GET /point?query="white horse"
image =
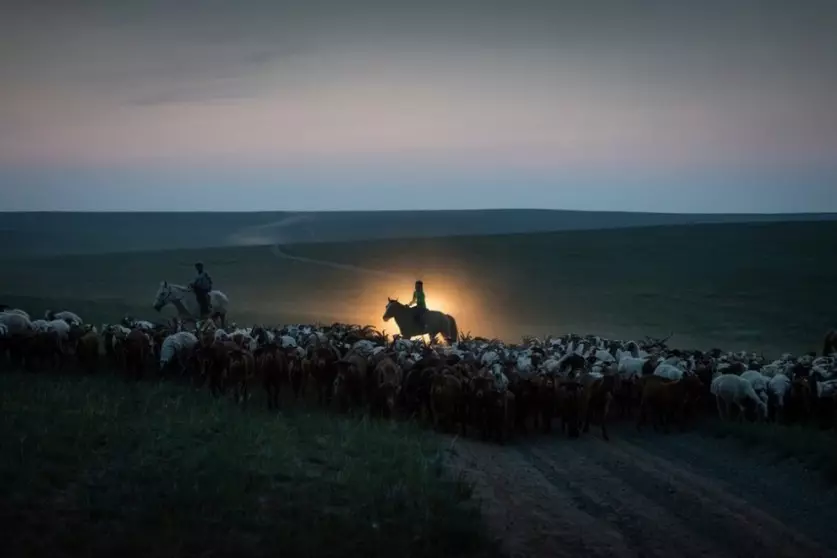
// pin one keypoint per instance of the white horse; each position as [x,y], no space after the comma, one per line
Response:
[186,303]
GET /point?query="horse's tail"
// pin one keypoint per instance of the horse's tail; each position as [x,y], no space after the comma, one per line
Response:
[454,331]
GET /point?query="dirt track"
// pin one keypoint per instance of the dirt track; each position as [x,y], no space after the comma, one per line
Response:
[681,495]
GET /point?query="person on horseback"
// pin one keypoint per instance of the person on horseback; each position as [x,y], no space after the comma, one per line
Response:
[420,306]
[202,285]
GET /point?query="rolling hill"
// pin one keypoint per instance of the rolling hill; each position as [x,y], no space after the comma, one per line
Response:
[44,234]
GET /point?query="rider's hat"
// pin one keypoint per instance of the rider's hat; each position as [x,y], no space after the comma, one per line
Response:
[198,264]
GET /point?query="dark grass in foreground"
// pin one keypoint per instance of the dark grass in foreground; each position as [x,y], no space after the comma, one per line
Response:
[97,467]
[815,449]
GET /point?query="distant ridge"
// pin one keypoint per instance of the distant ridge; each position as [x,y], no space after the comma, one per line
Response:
[54,233]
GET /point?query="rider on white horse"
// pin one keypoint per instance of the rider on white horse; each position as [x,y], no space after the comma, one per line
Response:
[420,306]
[202,285]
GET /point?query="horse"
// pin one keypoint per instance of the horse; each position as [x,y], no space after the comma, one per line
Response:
[436,322]
[186,303]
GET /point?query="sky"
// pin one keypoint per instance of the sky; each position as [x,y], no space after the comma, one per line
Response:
[681,106]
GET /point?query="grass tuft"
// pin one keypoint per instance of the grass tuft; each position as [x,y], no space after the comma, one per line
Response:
[96,466]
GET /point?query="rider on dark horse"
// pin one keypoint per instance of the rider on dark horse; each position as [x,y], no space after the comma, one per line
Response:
[202,285]
[420,306]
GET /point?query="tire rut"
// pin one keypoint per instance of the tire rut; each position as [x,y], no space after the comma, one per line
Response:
[555,497]
[648,528]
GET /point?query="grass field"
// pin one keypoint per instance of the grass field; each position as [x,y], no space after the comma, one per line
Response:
[763,287]
[96,466]
[100,467]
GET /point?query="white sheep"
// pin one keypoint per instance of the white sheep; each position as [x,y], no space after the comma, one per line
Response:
[221,335]
[489,357]
[500,379]
[775,367]
[827,389]
[524,366]
[16,324]
[550,366]
[61,326]
[17,311]
[669,371]
[66,315]
[177,345]
[757,379]
[630,367]
[729,388]
[779,386]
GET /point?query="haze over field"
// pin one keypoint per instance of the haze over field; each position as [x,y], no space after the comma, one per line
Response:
[46,234]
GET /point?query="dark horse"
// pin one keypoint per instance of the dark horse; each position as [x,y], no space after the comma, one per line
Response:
[436,322]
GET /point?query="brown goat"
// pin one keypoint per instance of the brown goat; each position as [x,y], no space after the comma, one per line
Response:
[447,406]
[387,376]
[666,399]
[241,372]
[598,395]
[136,349]
[324,371]
[43,350]
[350,383]
[87,351]
[545,400]
[272,366]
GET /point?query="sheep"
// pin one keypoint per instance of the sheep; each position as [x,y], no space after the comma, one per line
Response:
[668,371]
[16,323]
[778,389]
[64,315]
[730,388]
[18,311]
[176,348]
[758,381]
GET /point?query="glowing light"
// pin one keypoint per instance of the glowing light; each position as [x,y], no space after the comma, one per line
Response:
[441,299]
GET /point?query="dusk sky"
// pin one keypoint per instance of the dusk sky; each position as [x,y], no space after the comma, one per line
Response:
[690,106]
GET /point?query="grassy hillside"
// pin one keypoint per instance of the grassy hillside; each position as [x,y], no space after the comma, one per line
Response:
[26,234]
[98,467]
[758,286]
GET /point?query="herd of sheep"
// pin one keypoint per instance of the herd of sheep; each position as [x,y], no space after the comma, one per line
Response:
[487,386]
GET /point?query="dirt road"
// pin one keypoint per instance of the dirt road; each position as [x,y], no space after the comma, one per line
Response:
[683,495]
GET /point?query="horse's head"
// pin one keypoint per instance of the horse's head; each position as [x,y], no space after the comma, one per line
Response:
[163,296]
[392,306]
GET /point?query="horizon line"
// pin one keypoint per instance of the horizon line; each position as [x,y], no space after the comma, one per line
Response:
[486,209]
